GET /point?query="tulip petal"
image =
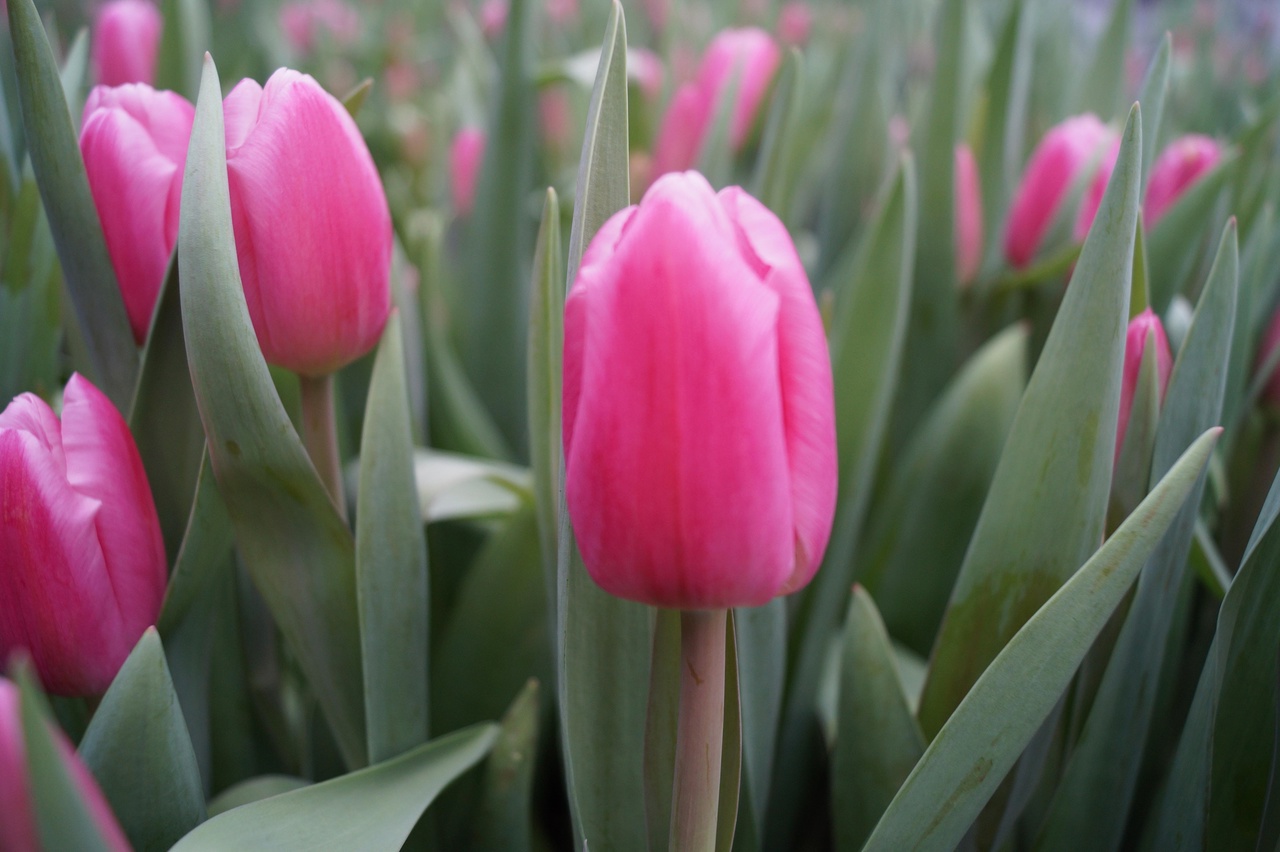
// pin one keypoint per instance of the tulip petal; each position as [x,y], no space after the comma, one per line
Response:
[165,116]
[126,40]
[17,825]
[681,133]
[30,413]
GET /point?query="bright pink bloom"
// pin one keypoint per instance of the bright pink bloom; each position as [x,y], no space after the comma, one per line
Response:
[18,829]
[465,157]
[312,227]
[134,143]
[795,23]
[1182,163]
[1144,325]
[1074,145]
[746,59]
[126,40]
[968,228]
[699,425]
[82,563]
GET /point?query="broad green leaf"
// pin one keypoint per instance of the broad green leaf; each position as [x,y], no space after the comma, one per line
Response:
[1091,805]
[391,563]
[354,99]
[1155,88]
[1255,273]
[74,67]
[372,809]
[451,486]
[921,526]
[1045,509]
[661,721]
[205,549]
[1177,239]
[1139,287]
[138,748]
[761,650]
[716,154]
[995,721]
[297,549]
[253,790]
[183,42]
[774,182]
[878,741]
[73,219]
[30,304]
[1100,89]
[505,817]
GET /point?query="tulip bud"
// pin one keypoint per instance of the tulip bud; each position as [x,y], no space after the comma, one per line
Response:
[493,18]
[699,424]
[1270,340]
[1058,161]
[126,41]
[134,143]
[795,23]
[465,157]
[1145,326]
[746,59]
[1181,164]
[968,227]
[82,563]
[18,828]
[312,228]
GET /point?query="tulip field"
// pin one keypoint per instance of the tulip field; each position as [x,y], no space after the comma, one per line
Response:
[654,425]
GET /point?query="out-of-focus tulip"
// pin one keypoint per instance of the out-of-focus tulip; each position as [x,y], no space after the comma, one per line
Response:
[744,58]
[302,22]
[1181,164]
[493,18]
[645,66]
[465,156]
[1270,340]
[555,113]
[126,40]
[1144,325]
[561,12]
[699,424]
[1076,144]
[82,563]
[657,11]
[134,143]
[315,254]
[795,23]
[18,828]
[968,228]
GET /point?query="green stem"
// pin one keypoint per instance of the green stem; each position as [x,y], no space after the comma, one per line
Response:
[695,795]
[320,435]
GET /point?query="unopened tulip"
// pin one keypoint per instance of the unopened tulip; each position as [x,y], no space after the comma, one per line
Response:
[134,143]
[699,425]
[968,227]
[312,228]
[19,831]
[1056,164]
[126,41]
[493,18]
[1145,325]
[82,563]
[795,23]
[465,156]
[1184,162]
[745,59]
[1270,340]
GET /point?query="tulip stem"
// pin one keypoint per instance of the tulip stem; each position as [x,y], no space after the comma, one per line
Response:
[320,435]
[695,794]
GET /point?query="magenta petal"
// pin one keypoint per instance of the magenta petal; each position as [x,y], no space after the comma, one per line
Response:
[126,39]
[240,112]
[681,133]
[30,413]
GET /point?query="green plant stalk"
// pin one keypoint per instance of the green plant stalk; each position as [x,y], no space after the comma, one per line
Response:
[695,795]
[320,435]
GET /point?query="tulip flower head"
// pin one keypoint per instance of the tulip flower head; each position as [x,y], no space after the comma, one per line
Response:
[1181,164]
[82,562]
[465,157]
[1270,340]
[699,425]
[312,228]
[1145,329]
[134,143]
[795,23]
[968,227]
[126,42]
[18,828]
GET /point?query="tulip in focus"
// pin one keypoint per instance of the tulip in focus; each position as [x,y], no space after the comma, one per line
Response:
[82,563]
[465,157]
[134,143]
[18,828]
[126,40]
[1182,163]
[699,425]
[745,59]
[968,227]
[1068,149]
[1145,326]
[312,228]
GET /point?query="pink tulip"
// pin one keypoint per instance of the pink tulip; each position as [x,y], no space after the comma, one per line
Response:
[795,23]
[699,426]
[1144,325]
[134,143]
[746,59]
[302,21]
[465,157]
[968,228]
[646,68]
[126,40]
[1271,391]
[561,12]
[312,227]
[82,563]
[493,18]
[1184,162]
[555,113]
[18,828]
[1072,146]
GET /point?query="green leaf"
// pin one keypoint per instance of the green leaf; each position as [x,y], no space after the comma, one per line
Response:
[661,721]
[205,549]
[373,809]
[295,546]
[761,651]
[354,99]
[1045,510]
[1132,475]
[73,219]
[1008,87]
[982,739]
[253,790]
[715,158]
[774,181]
[1139,288]
[138,748]
[1177,239]
[505,816]
[391,563]
[183,42]
[30,304]
[1092,802]
[1099,90]
[1151,96]
[878,741]
[731,745]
